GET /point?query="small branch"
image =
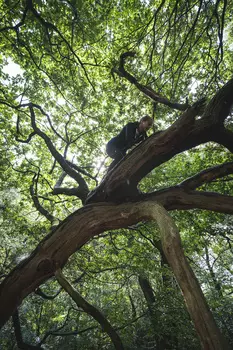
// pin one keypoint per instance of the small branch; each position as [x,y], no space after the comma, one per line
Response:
[28,139]
[82,171]
[21,22]
[36,202]
[148,91]
[60,179]
[89,309]
[83,188]
[49,25]
[66,334]
[39,292]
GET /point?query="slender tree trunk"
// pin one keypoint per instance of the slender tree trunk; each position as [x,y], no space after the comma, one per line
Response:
[208,332]
[163,342]
[18,335]
[90,309]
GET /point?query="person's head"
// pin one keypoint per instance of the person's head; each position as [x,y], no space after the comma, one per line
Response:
[145,123]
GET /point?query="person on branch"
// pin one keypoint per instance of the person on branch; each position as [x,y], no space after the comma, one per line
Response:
[130,135]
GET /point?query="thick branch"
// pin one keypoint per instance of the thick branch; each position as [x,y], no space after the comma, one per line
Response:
[90,309]
[208,175]
[54,251]
[219,107]
[68,191]
[85,223]
[182,135]
[225,138]
[177,198]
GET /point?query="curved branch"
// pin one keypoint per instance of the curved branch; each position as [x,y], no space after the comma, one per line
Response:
[39,292]
[28,139]
[148,91]
[66,334]
[83,188]
[37,204]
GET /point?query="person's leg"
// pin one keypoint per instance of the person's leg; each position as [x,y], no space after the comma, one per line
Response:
[114,153]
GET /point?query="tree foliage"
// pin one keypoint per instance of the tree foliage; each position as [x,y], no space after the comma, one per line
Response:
[84,69]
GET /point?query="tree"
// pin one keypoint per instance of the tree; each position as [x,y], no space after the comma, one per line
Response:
[83,67]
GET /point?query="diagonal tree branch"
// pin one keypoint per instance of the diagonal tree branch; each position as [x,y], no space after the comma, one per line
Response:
[204,322]
[184,134]
[148,91]
[208,175]
[90,310]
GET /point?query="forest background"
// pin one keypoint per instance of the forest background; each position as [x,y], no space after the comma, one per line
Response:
[85,69]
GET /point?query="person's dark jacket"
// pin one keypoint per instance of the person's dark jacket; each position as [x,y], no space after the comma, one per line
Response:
[128,137]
